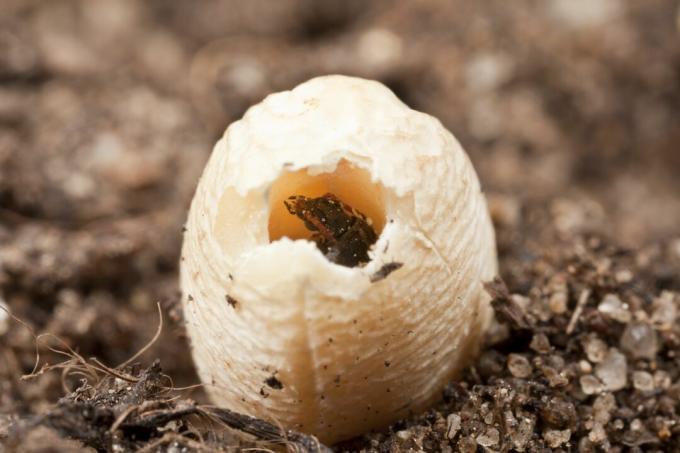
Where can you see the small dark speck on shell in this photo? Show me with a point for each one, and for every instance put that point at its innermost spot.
(231, 301)
(384, 271)
(274, 382)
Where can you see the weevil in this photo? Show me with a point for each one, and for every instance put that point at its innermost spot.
(343, 234)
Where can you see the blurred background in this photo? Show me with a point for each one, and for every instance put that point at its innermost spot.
(569, 110)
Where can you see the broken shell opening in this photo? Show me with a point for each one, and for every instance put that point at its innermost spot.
(352, 185)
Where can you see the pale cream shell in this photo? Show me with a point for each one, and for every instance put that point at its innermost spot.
(351, 355)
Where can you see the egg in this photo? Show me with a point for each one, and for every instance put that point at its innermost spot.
(283, 329)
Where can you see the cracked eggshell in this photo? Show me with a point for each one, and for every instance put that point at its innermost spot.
(277, 330)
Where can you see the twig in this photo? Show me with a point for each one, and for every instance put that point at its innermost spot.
(150, 343)
(582, 299)
(506, 309)
(263, 430)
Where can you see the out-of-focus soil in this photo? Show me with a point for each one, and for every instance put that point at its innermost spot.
(569, 110)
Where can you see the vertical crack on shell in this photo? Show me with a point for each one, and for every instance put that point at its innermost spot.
(310, 395)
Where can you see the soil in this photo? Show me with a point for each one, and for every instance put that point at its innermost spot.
(569, 110)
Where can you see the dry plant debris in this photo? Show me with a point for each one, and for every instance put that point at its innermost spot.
(135, 410)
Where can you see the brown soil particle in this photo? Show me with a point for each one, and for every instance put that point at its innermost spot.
(568, 109)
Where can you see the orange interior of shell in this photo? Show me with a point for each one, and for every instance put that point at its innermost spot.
(351, 184)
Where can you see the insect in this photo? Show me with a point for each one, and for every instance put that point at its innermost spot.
(343, 234)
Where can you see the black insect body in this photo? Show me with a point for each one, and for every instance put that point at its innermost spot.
(343, 234)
